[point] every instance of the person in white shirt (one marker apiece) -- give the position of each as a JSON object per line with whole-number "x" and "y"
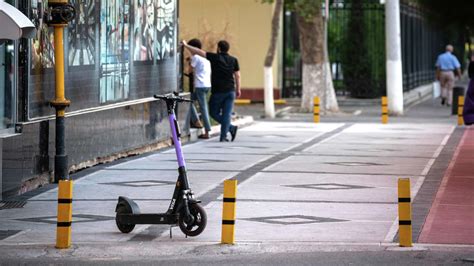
{"x": 201, "y": 67}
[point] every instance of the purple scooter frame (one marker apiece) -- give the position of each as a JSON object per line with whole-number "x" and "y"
{"x": 176, "y": 140}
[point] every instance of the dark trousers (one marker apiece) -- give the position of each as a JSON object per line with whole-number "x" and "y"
{"x": 220, "y": 109}
{"x": 468, "y": 111}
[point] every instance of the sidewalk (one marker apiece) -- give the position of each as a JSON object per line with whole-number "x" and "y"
{"x": 451, "y": 218}
{"x": 302, "y": 187}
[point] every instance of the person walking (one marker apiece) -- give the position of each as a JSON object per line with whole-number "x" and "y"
{"x": 468, "y": 111}
{"x": 201, "y": 69}
{"x": 194, "y": 119}
{"x": 225, "y": 81}
{"x": 446, "y": 65}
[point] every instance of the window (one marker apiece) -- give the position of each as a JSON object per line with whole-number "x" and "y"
{"x": 114, "y": 50}
{"x": 7, "y": 84}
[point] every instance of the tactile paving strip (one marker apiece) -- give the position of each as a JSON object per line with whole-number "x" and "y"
{"x": 12, "y": 204}
{"x": 7, "y": 233}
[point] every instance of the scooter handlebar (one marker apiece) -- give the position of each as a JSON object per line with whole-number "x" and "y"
{"x": 172, "y": 97}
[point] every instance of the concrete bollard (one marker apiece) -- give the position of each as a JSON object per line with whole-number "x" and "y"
{"x": 404, "y": 212}
{"x": 384, "y": 110}
{"x": 316, "y": 109}
{"x": 228, "y": 212}
{"x": 63, "y": 231}
{"x": 460, "y": 110}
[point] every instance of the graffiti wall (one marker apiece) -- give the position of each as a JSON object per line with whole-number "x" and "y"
{"x": 116, "y": 50}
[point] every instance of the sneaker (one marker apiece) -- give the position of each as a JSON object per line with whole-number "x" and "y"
{"x": 203, "y": 136}
{"x": 233, "y": 132}
{"x": 224, "y": 140}
{"x": 197, "y": 124}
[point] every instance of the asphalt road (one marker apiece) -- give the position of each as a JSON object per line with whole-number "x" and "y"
{"x": 303, "y": 258}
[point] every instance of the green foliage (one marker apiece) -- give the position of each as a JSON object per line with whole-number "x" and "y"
{"x": 356, "y": 64}
{"x": 307, "y": 9}
{"x": 357, "y": 41}
{"x": 455, "y": 18}
{"x": 453, "y": 13}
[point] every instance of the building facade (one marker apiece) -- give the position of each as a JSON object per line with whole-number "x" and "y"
{"x": 118, "y": 53}
{"x": 246, "y": 25}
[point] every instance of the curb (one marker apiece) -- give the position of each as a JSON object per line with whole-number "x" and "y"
{"x": 241, "y": 121}
{"x": 418, "y": 95}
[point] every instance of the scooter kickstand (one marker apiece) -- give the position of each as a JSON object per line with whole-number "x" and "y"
{"x": 171, "y": 232}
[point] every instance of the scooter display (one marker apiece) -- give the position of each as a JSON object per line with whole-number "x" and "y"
{"x": 184, "y": 208}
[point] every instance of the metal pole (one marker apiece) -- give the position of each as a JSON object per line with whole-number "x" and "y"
{"x": 60, "y": 13}
{"x": 60, "y": 103}
{"x": 394, "y": 59}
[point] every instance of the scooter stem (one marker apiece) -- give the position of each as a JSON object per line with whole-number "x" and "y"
{"x": 176, "y": 140}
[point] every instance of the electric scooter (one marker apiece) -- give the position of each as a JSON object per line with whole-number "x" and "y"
{"x": 184, "y": 208}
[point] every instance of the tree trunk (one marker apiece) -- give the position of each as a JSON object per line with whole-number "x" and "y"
{"x": 268, "y": 92}
{"x": 313, "y": 82}
{"x": 331, "y": 100}
{"x": 331, "y": 104}
{"x": 268, "y": 70}
{"x": 394, "y": 57}
{"x": 316, "y": 73}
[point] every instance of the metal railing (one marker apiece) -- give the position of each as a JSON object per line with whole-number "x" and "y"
{"x": 356, "y": 47}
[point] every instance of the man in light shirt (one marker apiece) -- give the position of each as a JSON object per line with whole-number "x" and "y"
{"x": 225, "y": 80}
{"x": 446, "y": 64}
{"x": 202, "y": 84}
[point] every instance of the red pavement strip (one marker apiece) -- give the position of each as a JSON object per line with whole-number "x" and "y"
{"x": 451, "y": 217}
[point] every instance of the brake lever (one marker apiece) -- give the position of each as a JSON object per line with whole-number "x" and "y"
{"x": 172, "y": 96}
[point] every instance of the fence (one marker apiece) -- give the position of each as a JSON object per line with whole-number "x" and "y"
{"x": 356, "y": 47}
{"x": 421, "y": 44}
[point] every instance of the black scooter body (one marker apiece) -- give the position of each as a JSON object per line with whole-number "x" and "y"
{"x": 184, "y": 210}
{"x": 136, "y": 217}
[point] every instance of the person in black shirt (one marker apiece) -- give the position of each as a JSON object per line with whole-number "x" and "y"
{"x": 225, "y": 80}
{"x": 468, "y": 110}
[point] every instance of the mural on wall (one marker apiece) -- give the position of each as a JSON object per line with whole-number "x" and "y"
{"x": 166, "y": 28}
{"x": 154, "y": 29}
{"x": 114, "y": 50}
{"x": 143, "y": 32}
{"x": 42, "y": 46}
{"x": 82, "y": 33}
{"x": 106, "y": 36}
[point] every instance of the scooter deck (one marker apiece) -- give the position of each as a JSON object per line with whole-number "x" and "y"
{"x": 148, "y": 218}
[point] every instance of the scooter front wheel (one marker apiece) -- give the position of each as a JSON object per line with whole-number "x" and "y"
{"x": 199, "y": 222}
{"x": 124, "y": 228}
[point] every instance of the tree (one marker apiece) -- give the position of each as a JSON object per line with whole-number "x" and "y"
{"x": 268, "y": 69}
{"x": 317, "y": 79}
{"x": 356, "y": 60}
{"x": 453, "y": 17}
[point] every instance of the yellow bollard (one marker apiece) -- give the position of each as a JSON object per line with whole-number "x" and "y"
{"x": 460, "y": 110}
{"x": 384, "y": 110}
{"x": 228, "y": 211}
{"x": 63, "y": 232}
{"x": 404, "y": 212}
{"x": 316, "y": 102}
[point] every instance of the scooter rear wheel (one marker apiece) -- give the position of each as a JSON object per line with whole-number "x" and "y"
{"x": 199, "y": 223}
{"x": 124, "y": 228}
